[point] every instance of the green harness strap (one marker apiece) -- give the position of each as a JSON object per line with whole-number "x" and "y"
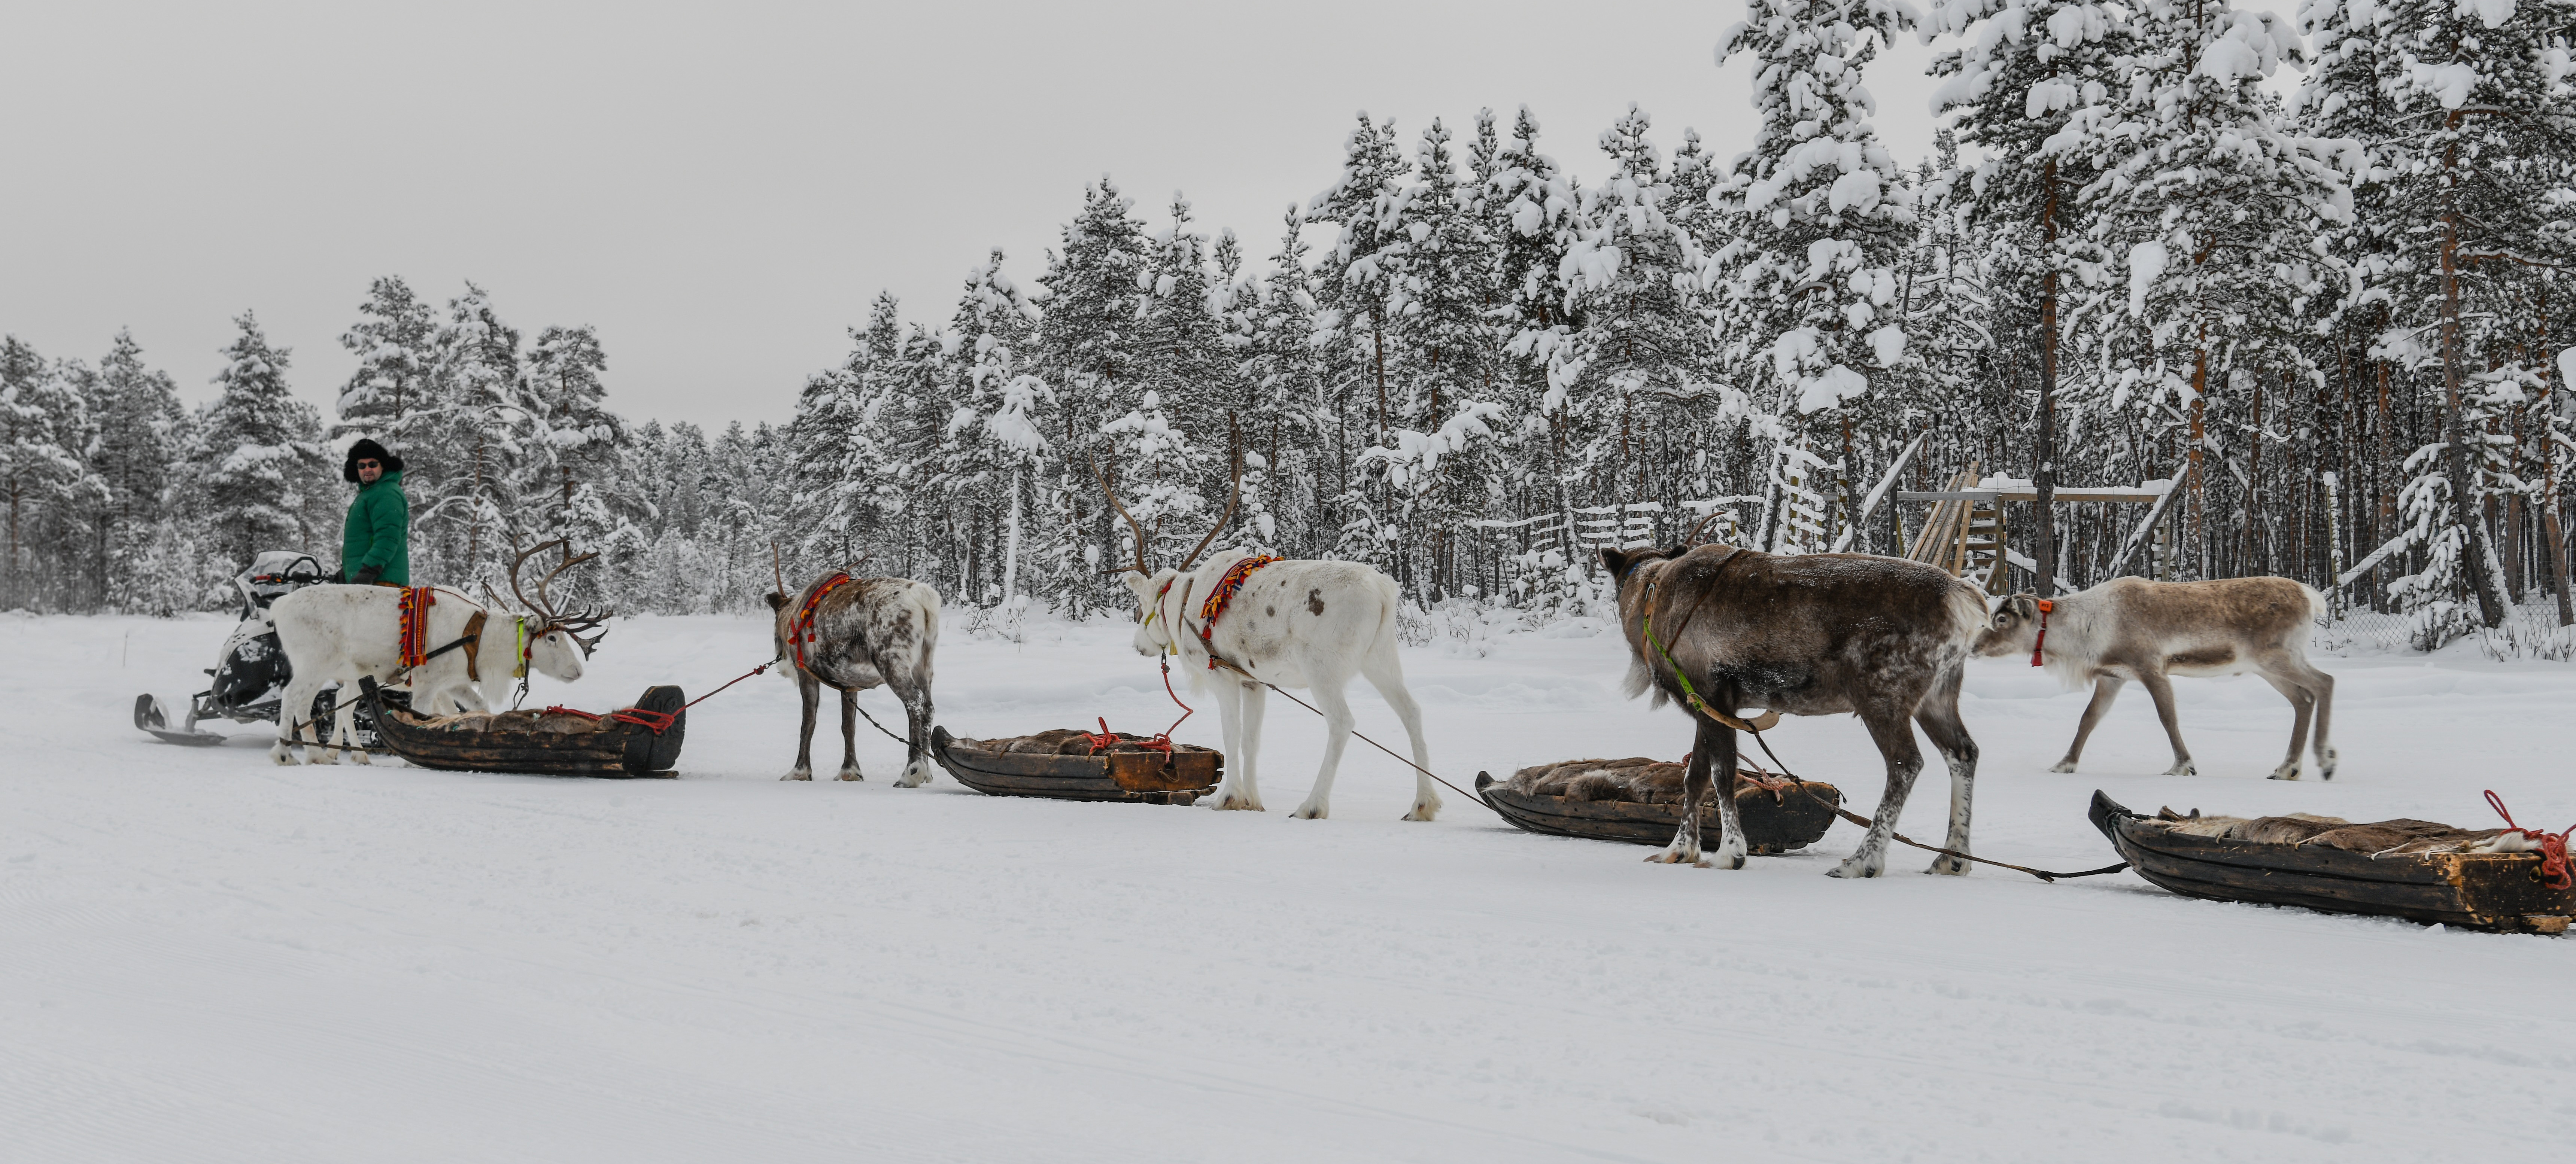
{"x": 1691, "y": 694}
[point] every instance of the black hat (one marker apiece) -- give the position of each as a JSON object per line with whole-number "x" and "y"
{"x": 368, "y": 450}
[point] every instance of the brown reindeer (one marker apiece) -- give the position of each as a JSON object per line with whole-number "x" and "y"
{"x": 1816, "y": 634}
{"x": 853, "y": 634}
{"x": 2133, "y": 629}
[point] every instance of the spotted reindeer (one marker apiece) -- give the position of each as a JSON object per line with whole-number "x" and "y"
{"x": 852, "y": 634}
{"x": 1238, "y": 622}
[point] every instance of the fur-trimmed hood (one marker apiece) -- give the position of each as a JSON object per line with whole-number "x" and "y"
{"x": 368, "y": 449}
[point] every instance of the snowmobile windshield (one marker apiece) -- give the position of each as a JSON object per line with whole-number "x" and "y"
{"x": 277, "y": 573}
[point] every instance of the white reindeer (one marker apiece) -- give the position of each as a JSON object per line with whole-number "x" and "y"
{"x": 2131, "y": 628}
{"x": 344, "y": 632}
{"x": 1309, "y": 624}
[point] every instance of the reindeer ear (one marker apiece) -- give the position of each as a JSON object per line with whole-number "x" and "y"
{"x": 776, "y": 601}
{"x": 1615, "y": 560}
{"x": 1136, "y": 582}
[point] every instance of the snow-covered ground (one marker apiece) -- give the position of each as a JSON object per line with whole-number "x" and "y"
{"x": 207, "y": 957}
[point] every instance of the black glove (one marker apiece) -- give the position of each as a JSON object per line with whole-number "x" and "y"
{"x": 338, "y": 578}
{"x": 367, "y": 576}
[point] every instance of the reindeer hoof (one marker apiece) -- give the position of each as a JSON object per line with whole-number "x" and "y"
{"x": 914, "y": 777}
{"x": 1229, "y": 800}
{"x": 1855, "y": 868}
{"x": 2326, "y": 765}
{"x": 284, "y": 758}
{"x": 1427, "y": 811}
{"x": 362, "y": 758}
{"x": 1948, "y": 867}
{"x": 2184, "y": 768}
{"x": 2064, "y": 766}
{"x": 799, "y": 774}
{"x": 2285, "y": 772}
{"x": 849, "y": 774}
{"x": 1310, "y": 811}
{"x": 1688, "y": 857}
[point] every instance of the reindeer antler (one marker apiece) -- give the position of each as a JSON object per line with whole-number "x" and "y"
{"x": 570, "y": 622}
{"x": 1702, "y": 524}
{"x": 1142, "y": 566}
{"x": 1234, "y": 495}
{"x": 778, "y": 569}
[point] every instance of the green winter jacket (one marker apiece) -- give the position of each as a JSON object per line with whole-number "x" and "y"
{"x": 378, "y": 532}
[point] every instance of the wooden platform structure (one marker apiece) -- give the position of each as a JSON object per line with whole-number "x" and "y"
{"x": 1965, "y": 532}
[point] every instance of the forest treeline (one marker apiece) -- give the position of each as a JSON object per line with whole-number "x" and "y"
{"x": 2325, "y": 319}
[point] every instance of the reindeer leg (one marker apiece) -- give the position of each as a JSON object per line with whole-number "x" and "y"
{"x": 2160, "y": 688}
{"x": 1237, "y": 790}
{"x": 2303, "y": 707}
{"x": 1714, "y": 738}
{"x": 1893, "y": 730}
{"x": 292, "y": 707}
{"x": 1939, "y": 716}
{"x": 812, "y": 694}
{"x": 2321, "y": 688}
{"x": 1386, "y": 673}
{"x": 345, "y": 730}
{"x": 916, "y": 744}
{"x": 1724, "y": 776}
{"x": 849, "y": 737}
{"x": 2105, "y": 689}
{"x": 1247, "y": 742}
{"x": 1337, "y": 735}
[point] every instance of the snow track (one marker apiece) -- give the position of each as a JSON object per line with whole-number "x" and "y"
{"x": 206, "y": 957}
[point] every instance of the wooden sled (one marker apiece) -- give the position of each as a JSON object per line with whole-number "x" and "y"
{"x": 2483, "y": 891}
{"x": 1774, "y": 821}
{"x": 1135, "y": 777}
{"x": 616, "y": 750}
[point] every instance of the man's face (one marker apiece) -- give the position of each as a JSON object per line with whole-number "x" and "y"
{"x": 368, "y": 471}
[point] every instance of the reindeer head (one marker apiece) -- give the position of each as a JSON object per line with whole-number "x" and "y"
{"x": 2012, "y": 627}
{"x": 1157, "y": 605}
{"x": 557, "y": 643}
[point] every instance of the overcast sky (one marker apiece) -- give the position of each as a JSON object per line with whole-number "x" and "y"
{"x": 720, "y": 189}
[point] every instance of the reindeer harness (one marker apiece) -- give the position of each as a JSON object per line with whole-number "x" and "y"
{"x": 801, "y": 631}
{"x": 2044, "y": 607}
{"x": 1221, "y": 596}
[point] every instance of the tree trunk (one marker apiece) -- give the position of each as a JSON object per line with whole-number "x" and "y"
{"x": 2044, "y": 476}
{"x": 2455, "y": 454}
{"x": 2196, "y": 504}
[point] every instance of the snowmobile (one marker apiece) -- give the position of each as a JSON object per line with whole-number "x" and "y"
{"x": 250, "y": 674}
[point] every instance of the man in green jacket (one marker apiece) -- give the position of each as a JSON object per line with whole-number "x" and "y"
{"x": 375, "y": 543}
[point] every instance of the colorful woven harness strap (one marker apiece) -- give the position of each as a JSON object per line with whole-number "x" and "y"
{"x": 416, "y": 601}
{"x": 803, "y": 631}
{"x": 1222, "y": 596}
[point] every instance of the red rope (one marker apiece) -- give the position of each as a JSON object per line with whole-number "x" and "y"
{"x": 659, "y": 722}
{"x": 2553, "y": 846}
{"x": 2044, "y": 607}
{"x": 1162, "y": 742}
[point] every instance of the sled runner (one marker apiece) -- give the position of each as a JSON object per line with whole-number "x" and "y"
{"x": 553, "y": 742}
{"x": 2486, "y": 891}
{"x": 1626, "y": 801}
{"x": 1072, "y": 764}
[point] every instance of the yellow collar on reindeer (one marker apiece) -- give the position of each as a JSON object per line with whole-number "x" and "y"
{"x": 521, "y": 627}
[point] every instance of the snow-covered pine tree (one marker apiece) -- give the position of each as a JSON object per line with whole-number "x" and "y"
{"x": 43, "y": 422}
{"x": 1090, "y": 350}
{"x": 468, "y": 512}
{"x": 137, "y": 433}
{"x": 395, "y": 340}
{"x": 1287, "y": 421}
{"x": 1808, "y": 302}
{"x": 571, "y": 475}
{"x": 1354, "y": 331}
{"x": 2212, "y": 213}
{"x": 2485, "y": 126}
{"x": 2016, "y": 83}
{"x": 261, "y": 458}
{"x": 992, "y": 450}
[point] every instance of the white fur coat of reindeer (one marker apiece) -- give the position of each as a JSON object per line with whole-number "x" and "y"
{"x": 1311, "y": 624}
{"x": 343, "y": 632}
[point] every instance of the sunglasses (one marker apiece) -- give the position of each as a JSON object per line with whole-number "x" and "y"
{"x": 369, "y": 465}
